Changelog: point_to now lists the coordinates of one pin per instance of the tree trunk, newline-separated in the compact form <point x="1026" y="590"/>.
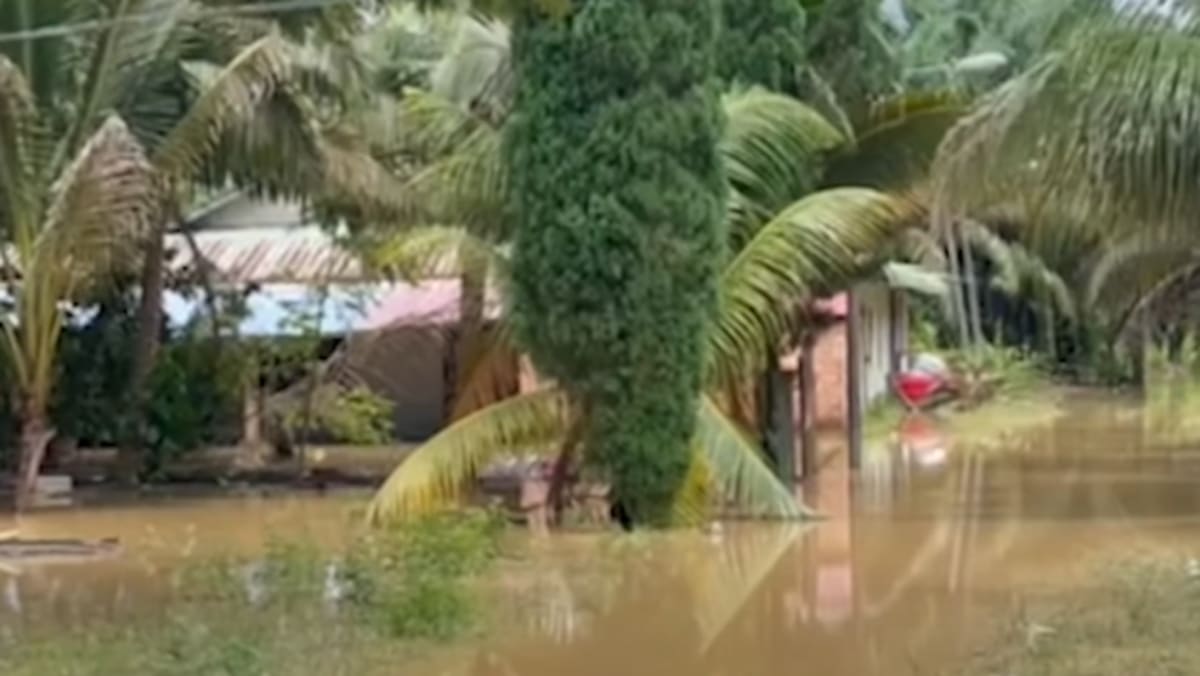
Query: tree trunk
<point x="561" y="471"/>
<point x="130" y="457"/>
<point x="976" y="321"/>
<point x="35" y="435"/>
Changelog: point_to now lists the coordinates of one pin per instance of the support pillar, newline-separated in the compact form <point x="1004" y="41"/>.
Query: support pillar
<point x="854" y="368"/>
<point x="780" y="434"/>
<point x="807" y="417"/>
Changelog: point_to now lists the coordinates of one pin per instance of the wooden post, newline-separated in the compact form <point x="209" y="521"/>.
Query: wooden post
<point x="777" y="413"/>
<point x="807" y="466"/>
<point x="897" y="330"/>
<point x="854" y="408"/>
<point x="252" y="418"/>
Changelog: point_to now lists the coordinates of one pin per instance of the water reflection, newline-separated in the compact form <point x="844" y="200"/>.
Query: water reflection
<point x="160" y="539"/>
<point x="923" y="551"/>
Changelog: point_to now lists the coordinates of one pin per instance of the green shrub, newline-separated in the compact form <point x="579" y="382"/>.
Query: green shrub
<point x="409" y="580"/>
<point x="356" y="416"/>
<point x="618" y="187"/>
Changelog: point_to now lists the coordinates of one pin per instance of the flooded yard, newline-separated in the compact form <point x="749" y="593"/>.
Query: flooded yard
<point x="924" y="554"/>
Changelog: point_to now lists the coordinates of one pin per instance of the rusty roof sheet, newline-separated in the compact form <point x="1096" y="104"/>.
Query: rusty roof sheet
<point x="270" y="255"/>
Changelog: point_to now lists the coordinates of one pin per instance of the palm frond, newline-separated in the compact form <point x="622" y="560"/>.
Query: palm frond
<point x="435" y="125"/>
<point x="694" y="501"/>
<point x="775" y="149"/>
<point x="99" y="210"/>
<point x="467" y="187"/>
<point x="437" y="473"/>
<point x="739" y="469"/>
<point x="1020" y="273"/>
<point x="1126" y="264"/>
<point x="275" y="151"/>
<point x="354" y="183"/>
<point x="476" y="72"/>
<point x="896" y="145"/>
<point x="123" y="52"/>
<point x="1006" y="275"/>
<point x="818" y="245"/>
<point x="1105" y="124"/>
<point x="18" y="115"/>
<point x="438" y="251"/>
<point x="230" y="99"/>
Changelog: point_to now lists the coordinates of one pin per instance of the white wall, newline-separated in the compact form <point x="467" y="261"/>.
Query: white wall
<point x="874" y="336"/>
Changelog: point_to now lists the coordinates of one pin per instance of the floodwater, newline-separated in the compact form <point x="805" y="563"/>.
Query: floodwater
<point x="925" y="550"/>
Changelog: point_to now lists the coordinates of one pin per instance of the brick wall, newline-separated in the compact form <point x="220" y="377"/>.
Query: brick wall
<point x="829" y="376"/>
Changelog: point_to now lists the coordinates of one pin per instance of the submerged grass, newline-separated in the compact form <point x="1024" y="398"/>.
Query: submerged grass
<point x="373" y="609"/>
<point x="1137" y="617"/>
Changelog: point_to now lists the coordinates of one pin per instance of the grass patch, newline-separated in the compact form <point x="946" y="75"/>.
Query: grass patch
<point x="373" y="609"/>
<point x="1140" y="617"/>
<point x="1006" y="391"/>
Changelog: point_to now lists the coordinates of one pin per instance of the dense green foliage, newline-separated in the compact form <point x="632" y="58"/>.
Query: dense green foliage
<point x="762" y="43"/>
<point x="849" y="52"/>
<point x="617" y="186"/>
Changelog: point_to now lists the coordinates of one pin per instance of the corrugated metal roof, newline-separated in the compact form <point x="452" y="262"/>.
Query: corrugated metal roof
<point x="270" y="255"/>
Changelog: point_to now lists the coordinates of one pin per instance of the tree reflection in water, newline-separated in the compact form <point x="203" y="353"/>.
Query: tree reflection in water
<point x="921" y="553"/>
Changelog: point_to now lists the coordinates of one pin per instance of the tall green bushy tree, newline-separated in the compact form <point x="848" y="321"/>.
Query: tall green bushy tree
<point x="762" y="43"/>
<point x="618" y="190"/>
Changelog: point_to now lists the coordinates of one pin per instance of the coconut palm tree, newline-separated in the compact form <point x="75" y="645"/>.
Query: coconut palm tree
<point x="788" y="248"/>
<point x="214" y="91"/>
<point x="69" y="218"/>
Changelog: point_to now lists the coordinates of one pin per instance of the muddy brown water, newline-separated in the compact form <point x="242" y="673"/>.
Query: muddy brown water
<point x="925" y="550"/>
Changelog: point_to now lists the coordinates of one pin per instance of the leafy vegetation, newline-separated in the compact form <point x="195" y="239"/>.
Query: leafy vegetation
<point x="762" y="43"/>
<point x="1134" y="616"/>
<point x="618" y="195"/>
<point x="294" y="610"/>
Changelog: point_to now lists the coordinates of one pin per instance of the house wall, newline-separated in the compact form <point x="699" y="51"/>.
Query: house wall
<point x="829" y="376"/>
<point x="875" y="340"/>
<point x="883" y="340"/>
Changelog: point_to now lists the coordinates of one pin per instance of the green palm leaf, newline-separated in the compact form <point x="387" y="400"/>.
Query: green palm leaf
<point x="123" y="53"/>
<point x="739" y="469"/>
<point x="18" y="116"/>
<point x="1105" y="124"/>
<point x="438" y="251"/>
<point x="896" y="146"/>
<point x="476" y="72"/>
<point x="99" y="209"/>
<point x="437" y="472"/>
<point x="774" y="148"/>
<point x="813" y="247"/>
<point x="229" y="100"/>
<point x="1020" y="272"/>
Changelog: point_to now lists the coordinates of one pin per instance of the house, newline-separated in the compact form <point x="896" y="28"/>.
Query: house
<point x="391" y="336"/>
<point x="395" y="337"/>
<point x="846" y="366"/>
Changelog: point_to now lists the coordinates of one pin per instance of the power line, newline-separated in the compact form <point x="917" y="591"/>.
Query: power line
<point x="272" y="7"/>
